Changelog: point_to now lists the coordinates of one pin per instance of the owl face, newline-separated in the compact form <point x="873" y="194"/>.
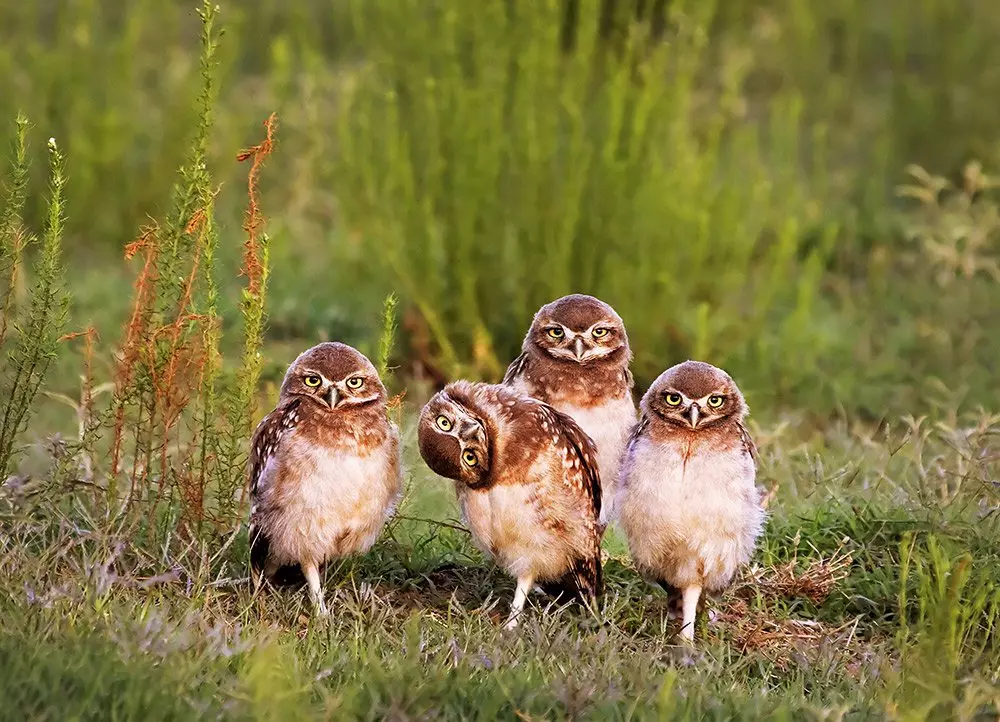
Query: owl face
<point x="578" y="328"/>
<point x="694" y="395"/>
<point x="334" y="375"/>
<point x="453" y="441"/>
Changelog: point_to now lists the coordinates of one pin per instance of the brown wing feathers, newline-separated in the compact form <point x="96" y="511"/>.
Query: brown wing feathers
<point x="517" y="368"/>
<point x="585" y="578"/>
<point x="263" y="445"/>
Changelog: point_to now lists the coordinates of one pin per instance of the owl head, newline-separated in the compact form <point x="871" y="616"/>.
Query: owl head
<point x="578" y="329"/>
<point x="334" y="375"/>
<point x="694" y="395"/>
<point x="454" y="438"/>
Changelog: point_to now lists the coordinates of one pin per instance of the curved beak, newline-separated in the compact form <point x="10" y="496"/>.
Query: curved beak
<point x="694" y="415"/>
<point x="332" y="397"/>
<point x="578" y="348"/>
<point x="469" y="430"/>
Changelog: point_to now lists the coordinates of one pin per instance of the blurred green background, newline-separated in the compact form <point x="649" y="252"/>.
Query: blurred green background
<point x="731" y="176"/>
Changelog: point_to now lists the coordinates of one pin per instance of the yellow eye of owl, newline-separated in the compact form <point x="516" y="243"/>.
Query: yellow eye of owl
<point x="469" y="457"/>
<point x="555" y="332"/>
<point x="716" y="400"/>
<point x="312" y="381"/>
<point x="673" y="399"/>
<point x="355" y="382"/>
<point x="601" y="332"/>
<point x="443" y="423"/>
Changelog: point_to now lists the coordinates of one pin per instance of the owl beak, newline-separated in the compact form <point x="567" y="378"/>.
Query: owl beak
<point x="469" y="430"/>
<point x="578" y="348"/>
<point x="333" y="397"/>
<point x="694" y="415"/>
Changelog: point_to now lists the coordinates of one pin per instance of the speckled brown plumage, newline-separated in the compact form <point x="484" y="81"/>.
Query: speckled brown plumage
<point x="687" y="502"/>
<point x="527" y="483"/>
<point x="324" y="466"/>
<point x="575" y="357"/>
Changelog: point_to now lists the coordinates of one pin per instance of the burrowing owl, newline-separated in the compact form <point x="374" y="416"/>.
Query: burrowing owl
<point x="325" y="471"/>
<point x="576" y="358"/>
<point x="687" y="501"/>
<point x="526" y="482"/>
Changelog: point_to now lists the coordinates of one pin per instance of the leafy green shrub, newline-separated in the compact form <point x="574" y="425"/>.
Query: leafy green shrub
<point x="492" y="173"/>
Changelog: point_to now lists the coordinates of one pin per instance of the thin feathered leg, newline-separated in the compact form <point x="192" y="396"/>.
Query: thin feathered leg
<point x="311" y="572"/>
<point x="691" y="596"/>
<point x="524" y="585"/>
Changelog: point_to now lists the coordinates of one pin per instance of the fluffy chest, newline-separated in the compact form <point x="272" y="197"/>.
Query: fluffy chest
<point x="333" y="481"/>
<point x="322" y="502"/>
<point x="607" y="423"/>
<point x="691" y="514"/>
<point x="522" y="528"/>
<point x="688" y="482"/>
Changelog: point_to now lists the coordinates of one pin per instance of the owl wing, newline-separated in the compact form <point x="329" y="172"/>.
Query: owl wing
<point x="516" y="369"/>
<point x="263" y="444"/>
<point x="585" y="578"/>
<point x="748" y="445"/>
<point x="637" y="431"/>
<point x="585" y="477"/>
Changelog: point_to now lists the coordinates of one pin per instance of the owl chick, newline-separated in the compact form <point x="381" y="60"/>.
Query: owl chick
<point x="527" y="484"/>
<point x="575" y="357"/>
<point x="325" y="471"/>
<point x="687" y="502"/>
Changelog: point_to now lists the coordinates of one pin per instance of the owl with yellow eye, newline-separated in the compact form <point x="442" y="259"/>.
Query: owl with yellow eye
<point x="325" y="471"/>
<point x="687" y="501"/>
<point x="527" y="483"/>
<point x="576" y="358"/>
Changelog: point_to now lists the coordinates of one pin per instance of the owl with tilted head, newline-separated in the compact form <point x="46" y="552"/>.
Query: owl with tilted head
<point x="575" y="357"/>
<point x="325" y="471"/>
<point x="527" y="483"/>
<point x="687" y="502"/>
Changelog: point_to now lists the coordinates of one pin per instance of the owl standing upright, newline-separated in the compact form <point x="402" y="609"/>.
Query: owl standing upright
<point x="688" y="503"/>
<point x="527" y="484"/>
<point x="575" y="357"/>
<point x="325" y="471"/>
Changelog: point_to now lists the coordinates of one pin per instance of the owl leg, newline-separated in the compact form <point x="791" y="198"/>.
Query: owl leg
<point x="311" y="571"/>
<point x="524" y="585"/>
<point x="691" y="595"/>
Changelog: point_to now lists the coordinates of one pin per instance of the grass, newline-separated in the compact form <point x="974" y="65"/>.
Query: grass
<point x="730" y="176"/>
<point x="874" y="595"/>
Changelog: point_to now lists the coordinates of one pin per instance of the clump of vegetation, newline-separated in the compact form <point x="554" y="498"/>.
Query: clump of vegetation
<point x="34" y="328"/>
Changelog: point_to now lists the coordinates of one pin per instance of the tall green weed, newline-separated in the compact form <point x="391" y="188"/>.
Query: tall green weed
<point x="30" y="333"/>
<point x="490" y="172"/>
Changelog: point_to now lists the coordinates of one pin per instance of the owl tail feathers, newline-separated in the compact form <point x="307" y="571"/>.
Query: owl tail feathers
<point x="582" y="583"/>
<point x="288" y="575"/>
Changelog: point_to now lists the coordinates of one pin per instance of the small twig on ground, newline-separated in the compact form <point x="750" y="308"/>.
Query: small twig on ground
<point x="434" y="522"/>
